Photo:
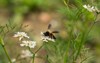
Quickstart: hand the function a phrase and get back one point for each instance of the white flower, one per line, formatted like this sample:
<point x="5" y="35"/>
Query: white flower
<point x="46" y="38"/>
<point x="30" y="44"/>
<point x="21" y="35"/>
<point x="91" y="8"/>
<point x="26" y="53"/>
<point x="24" y="43"/>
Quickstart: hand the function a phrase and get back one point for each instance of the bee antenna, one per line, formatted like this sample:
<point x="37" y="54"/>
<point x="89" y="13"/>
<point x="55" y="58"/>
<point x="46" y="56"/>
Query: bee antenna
<point x="49" y="26"/>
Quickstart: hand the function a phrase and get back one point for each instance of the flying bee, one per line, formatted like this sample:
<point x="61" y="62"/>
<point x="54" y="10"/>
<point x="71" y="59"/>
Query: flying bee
<point x="50" y="34"/>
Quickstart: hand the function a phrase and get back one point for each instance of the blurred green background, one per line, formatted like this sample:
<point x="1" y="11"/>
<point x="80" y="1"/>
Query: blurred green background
<point x="33" y="16"/>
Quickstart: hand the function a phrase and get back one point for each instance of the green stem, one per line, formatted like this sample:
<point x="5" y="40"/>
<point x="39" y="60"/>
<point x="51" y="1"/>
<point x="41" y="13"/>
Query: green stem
<point x="33" y="54"/>
<point x="30" y="50"/>
<point x="92" y="25"/>
<point x="33" y="58"/>
<point x="6" y="54"/>
<point x="39" y="48"/>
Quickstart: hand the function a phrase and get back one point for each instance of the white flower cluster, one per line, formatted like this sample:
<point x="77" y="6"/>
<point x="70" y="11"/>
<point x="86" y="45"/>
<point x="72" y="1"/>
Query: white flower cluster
<point x="91" y="8"/>
<point x="21" y="35"/>
<point x="27" y="43"/>
<point x="46" y="38"/>
<point x="30" y="44"/>
<point x="26" y="53"/>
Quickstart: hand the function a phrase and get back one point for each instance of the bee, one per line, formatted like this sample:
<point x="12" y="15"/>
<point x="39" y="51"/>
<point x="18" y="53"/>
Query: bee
<point x="49" y="33"/>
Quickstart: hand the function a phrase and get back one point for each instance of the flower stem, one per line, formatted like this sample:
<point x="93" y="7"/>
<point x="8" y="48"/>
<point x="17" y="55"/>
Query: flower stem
<point x="33" y="58"/>
<point x="33" y="54"/>
<point x="36" y="52"/>
<point x="30" y="50"/>
<point x="39" y="48"/>
<point x="92" y="26"/>
<point x="6" y="54"/>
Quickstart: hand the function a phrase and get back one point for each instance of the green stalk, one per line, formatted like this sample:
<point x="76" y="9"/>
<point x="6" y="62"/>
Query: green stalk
<point x="36" y="52"/>
<point x="2" y="44"/>
<point x="92" y="25"/>
<point x="30" y="50"/>
<point x="39" y="48"/>
<point x="33" y="54"/>
<point x="6" y="54"/>
<point x="33" y="58"/>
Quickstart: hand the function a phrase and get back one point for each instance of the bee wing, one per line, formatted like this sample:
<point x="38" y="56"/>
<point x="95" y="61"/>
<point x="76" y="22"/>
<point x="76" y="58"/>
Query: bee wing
<point x="49" y="26"/>
<point x="55" y="32"/>
<point x="52" y="36"/>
